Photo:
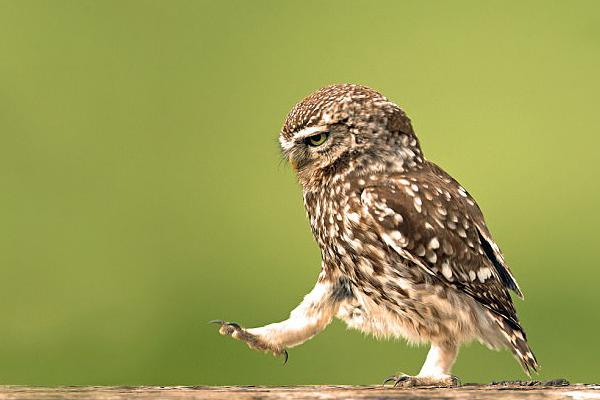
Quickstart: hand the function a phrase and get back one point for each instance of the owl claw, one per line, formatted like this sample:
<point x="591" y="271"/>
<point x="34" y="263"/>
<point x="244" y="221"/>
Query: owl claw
<point x="221" y="322"/>
<point x="285" y="356"/>
<point x="397" y="379"/>
<point x="255" y="342"/>
<point x="403" y="380"/>
<point x="232" y="329"/>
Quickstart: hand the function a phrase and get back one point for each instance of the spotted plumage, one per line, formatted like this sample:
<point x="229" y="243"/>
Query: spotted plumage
<point x="405" y="248"/>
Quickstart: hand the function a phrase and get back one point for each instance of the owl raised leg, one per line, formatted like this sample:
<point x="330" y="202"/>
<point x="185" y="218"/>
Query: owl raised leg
<point x="253" y="341"/>
<point x="435" y="370"/>
<point x="309" y="318"/>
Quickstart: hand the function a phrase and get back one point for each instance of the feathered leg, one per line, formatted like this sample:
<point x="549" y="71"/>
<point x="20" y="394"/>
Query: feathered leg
<point x="435" y="370"/>
<point x="309" y="318"/>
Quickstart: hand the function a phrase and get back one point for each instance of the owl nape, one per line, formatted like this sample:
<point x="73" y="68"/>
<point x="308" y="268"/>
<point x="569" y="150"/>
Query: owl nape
<point x="405" y="248"/>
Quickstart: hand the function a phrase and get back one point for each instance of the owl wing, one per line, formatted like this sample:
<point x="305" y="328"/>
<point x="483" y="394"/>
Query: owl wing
<point x="429" y="219"/>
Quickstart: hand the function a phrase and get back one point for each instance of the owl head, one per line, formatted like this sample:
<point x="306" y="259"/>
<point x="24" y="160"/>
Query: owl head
<point x="345" y="127"/>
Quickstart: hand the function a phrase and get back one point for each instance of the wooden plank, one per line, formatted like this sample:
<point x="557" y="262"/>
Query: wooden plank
<point x="477" y="392"/>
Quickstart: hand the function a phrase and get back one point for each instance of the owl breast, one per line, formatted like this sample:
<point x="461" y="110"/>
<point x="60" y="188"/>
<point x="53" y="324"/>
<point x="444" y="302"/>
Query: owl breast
<point x="349" y="244"/>
<point x="384" y="294"/>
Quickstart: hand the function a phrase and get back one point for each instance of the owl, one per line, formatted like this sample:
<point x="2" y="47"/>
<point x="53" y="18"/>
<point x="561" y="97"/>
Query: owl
<point x="405" y="250"/>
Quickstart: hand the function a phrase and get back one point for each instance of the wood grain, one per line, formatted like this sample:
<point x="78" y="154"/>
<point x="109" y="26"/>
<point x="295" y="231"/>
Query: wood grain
<point x="515" y="390"/>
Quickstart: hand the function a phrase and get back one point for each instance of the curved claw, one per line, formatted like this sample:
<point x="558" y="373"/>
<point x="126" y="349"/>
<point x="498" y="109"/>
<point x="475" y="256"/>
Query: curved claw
<point x="400" y="379"/>
<point x="221" y="322"/>
<point x="389" y="379"/>
<point x="285" y="357"/>
<point x="228" y="328"/>
<point x="397" y="379"/>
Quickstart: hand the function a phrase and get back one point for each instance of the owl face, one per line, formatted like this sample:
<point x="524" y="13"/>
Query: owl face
<point x="317" y="147"/>
<point x="343" y="127"/>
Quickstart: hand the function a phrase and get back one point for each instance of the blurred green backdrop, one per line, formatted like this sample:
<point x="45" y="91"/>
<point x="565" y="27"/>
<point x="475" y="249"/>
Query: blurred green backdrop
<point x="142" y="192"/>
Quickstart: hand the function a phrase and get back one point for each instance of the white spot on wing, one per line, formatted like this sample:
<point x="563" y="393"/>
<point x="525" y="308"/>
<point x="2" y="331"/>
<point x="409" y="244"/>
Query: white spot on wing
<point x="434" y="243"/>
<point x="431" y="257"/>
<point x="418" y="203"/>
<point x="483" y="274"/>
<point x="446" y="271"/>
<point x="472" y="275"/>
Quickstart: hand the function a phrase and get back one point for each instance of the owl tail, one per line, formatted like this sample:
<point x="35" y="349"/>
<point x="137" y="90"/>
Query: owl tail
<point x="517" y="342"/>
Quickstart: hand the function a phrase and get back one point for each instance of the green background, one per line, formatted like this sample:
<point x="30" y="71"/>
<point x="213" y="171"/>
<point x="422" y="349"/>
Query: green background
<point x="143" y="193"/>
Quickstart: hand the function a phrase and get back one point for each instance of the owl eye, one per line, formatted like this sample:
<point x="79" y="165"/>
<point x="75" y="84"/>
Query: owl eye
<point x="317" y="140"/>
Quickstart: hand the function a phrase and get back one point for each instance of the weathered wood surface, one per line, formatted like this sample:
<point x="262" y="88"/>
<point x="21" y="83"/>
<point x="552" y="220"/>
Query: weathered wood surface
<point x="476" y="392"/>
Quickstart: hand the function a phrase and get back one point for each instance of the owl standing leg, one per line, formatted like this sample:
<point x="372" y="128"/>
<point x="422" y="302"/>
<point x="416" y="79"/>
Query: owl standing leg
<point x="435" y="370"/>
<point x="309" y="318"/>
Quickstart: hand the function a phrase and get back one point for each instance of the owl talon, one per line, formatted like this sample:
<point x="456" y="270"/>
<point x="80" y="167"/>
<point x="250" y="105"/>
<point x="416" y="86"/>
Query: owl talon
<point x="403" y="380"/>
<point x="255" y="342"/>
<point x="285" y="356"/>
<point x="393" y="378"/>
<point x="232" y="329"/>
